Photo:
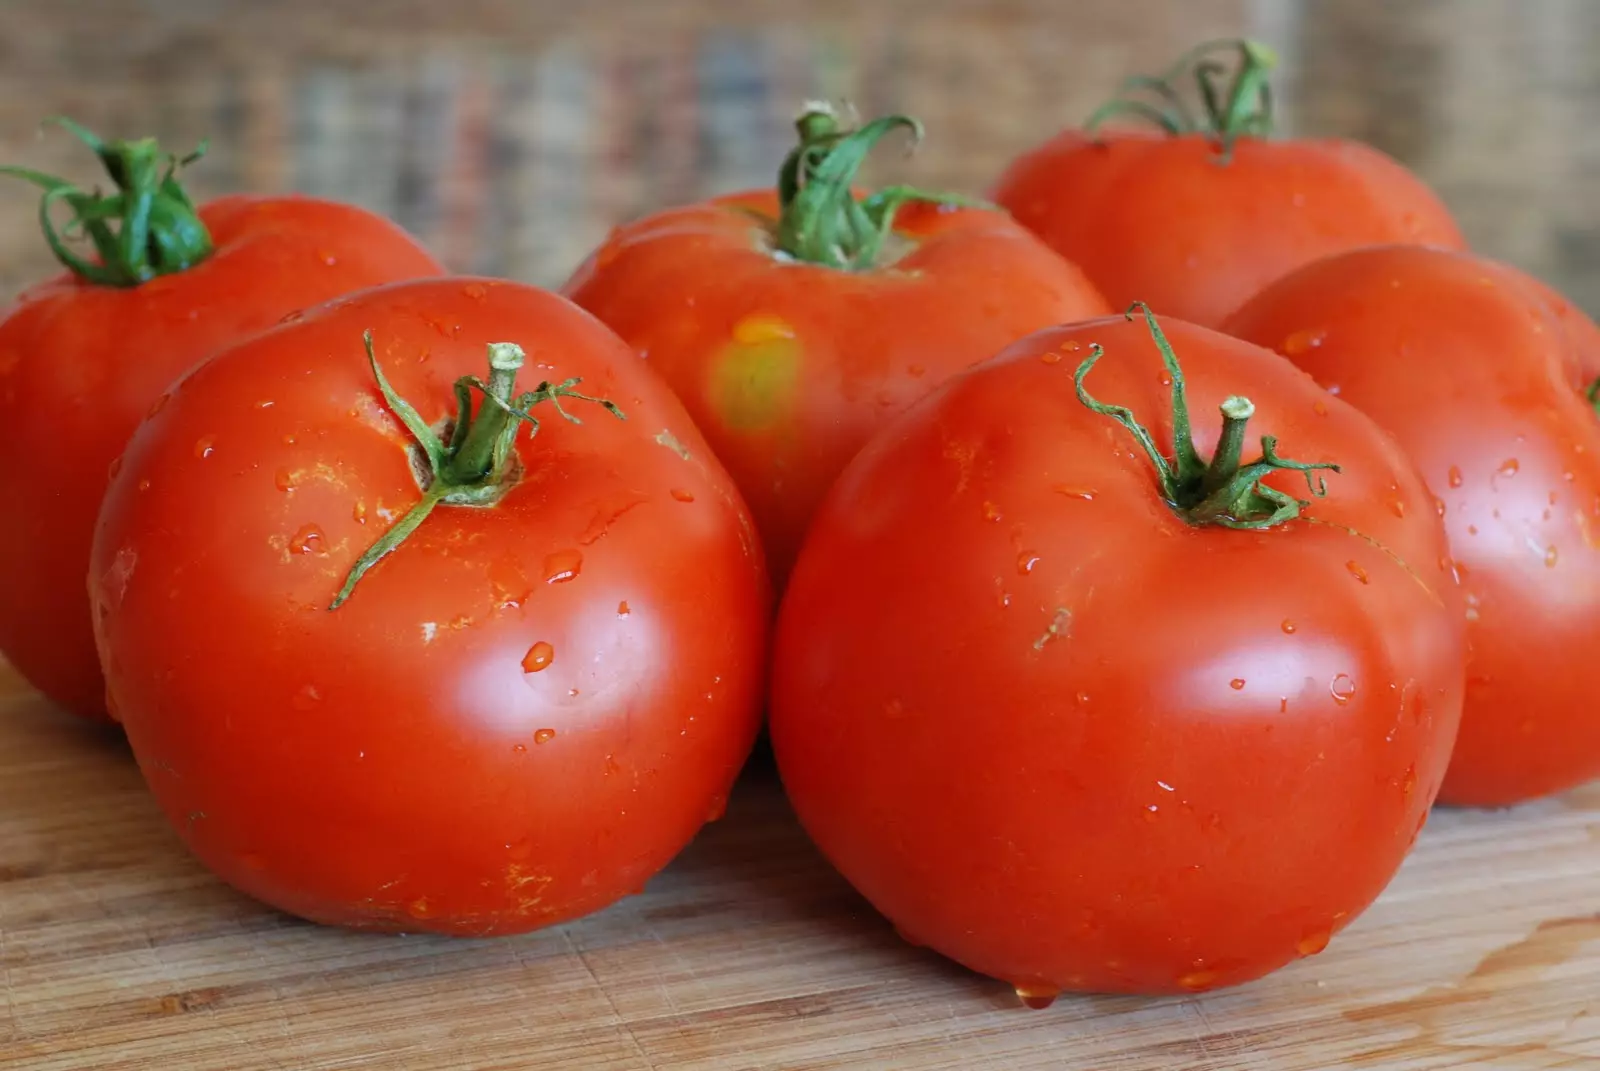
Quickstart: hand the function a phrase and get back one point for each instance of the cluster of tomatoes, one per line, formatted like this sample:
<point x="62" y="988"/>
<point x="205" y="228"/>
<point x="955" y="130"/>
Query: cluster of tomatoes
<point x="1148" y="549"/>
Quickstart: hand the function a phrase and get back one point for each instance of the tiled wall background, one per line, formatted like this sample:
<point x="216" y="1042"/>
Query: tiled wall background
<point x="511" y="135"/>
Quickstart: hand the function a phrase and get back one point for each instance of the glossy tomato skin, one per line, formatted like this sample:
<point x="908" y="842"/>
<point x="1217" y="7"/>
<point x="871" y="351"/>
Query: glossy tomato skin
<point x="520" y="715"/>
<point x="1164" y="220"/>
<point x="788" y="368"/>
<point x="81" y="364"/>
<point x="1479" y="372"/>
<point x="1058" y="734"/>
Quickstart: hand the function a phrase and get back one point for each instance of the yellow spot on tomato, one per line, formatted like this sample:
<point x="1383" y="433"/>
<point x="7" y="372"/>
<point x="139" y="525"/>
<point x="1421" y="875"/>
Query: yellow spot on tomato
<point x="760" y="327"/>
<point x="753" y="379"/>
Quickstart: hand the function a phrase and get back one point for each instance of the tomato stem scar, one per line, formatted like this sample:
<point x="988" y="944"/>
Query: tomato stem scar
<point x="1223" y="491"/>
<point x="1241" y="109"/>
<point x="820" y="221"/>
<point x="158" y="230"/>
<point x="477" y="466"/>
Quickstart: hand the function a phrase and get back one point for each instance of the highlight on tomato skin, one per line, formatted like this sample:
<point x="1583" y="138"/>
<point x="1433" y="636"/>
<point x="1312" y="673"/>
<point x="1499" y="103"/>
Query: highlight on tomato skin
<point x="1131" y="690"/>
<point x="1179" y="192"/>
<point x="1487" y="377"/>
<point x="431" y="611"/>
<point x="793" y="323"/>
<point x="86" y="354"/>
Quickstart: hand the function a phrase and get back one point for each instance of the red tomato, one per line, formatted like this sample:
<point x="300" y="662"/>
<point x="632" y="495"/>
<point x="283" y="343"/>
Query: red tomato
<point x="1066" y="722"/>
<point x="520" y="713"/>
<point x="1197" y="218"/>
<point x="83" y="356"/>
<point x="794" y="326"/>
<point x="1481" y="373"/>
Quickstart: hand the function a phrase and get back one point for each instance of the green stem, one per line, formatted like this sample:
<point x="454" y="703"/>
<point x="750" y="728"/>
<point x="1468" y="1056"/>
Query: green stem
<point x="820" y="221"/>
<point x="158" y="229"/>
<point x="1592" y="396"/>
<point x="1224" y="491"/>
<point x="478" y="465"/>
<point x="1241" y="108"/>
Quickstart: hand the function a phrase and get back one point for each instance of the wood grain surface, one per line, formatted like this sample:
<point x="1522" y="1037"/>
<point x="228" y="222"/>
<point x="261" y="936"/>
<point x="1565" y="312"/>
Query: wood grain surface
<point x="510" y="136"/>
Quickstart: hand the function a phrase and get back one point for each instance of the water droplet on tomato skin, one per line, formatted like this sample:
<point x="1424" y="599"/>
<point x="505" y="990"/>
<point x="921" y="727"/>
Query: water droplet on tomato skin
<point x="1301" y="341"/>
<point x="307" y="539"/>
<point x="205" y="446"/>
<point x="1313" y="941"/>
<point x="144" y="485"/>
<point x="1026" y="561"/>
<point x="1408" y="782"/>
<point x="544" y="736"/>
<point x="622" y="608"/>
<point x="1342" y="688"/>
<point x="1288" y="627"/>
<point x="1196" y="980"/>
<point x="1438" y="505"/>
<point x="681" y="495"/>
<point x="1509" y="467"/>
<point x="1073" y="492"/>
<point x="306" y="698"/>
<point x="1357" y="571"/>
<point x="1050" y="357"/>
<point x="420" y="908"/>
<point x="991" y="512"/>
<point x="1453" y="475"/>
<point x="519" y="749"/>
<point x="283" y="480"/>
<point x="475" y="291"/>
<point x="1037" y="997"/>
<point x="1398" y="507"/>
<point x="562" y="566"/>
<point x="539" y="657"/>
<point x="916" y="371"/>
<point x="1550" y="555"/>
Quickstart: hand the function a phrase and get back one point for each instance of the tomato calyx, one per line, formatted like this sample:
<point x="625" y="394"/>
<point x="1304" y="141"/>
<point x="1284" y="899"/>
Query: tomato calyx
<point x="476" y="466"/>
<point x="1223" y="491"/>
<point x="1592" y="396"/>
<point x="158" y="230"/>
<point x="1242" y="108"/>
<point x="820" y="221"/>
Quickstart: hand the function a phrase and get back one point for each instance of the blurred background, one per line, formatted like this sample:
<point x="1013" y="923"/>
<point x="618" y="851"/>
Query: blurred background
<point x="511" y="134"/>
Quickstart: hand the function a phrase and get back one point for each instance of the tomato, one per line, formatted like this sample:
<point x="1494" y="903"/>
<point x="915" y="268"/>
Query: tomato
<point x="1197" y="217"/>
<point x="1481" y="374"/>
<point x="514" y="716"/>
<point x="1081" y="722"/>
<point x="84" y="355"/>
<point x="795" y="326"/>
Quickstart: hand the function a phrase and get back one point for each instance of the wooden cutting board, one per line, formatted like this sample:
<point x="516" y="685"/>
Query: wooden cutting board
<point x="119" y="951"/>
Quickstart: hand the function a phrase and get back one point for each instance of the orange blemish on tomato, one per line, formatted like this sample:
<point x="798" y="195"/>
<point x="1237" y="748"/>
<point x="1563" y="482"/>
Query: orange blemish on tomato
<point x="760" y="327"/>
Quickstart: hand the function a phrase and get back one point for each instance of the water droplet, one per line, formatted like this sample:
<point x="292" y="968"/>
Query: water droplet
<point x="544" y="736"/>
<point x="1288" y="626"/>
<point x="1050" y="357"/>
<point x="475" y="291"/>
<point x="1453" y="475"/>
<point x="1026" y="561"/>
<point x="205" y="446"/>
<point x="144" y="485"/>
<point x="307" y="539"/>
<point x="572" y="692"/>
<point x="682" y="495"/>
<point x="612" y="766"/>
<point x="1283" y="704"/>
<point x="562" y="566"/>
<point x="292" y="317"/>
<point x="1550" y="557"/>
<point x="1313" y="942"/>
<point x="1509" y="467"/>
<point x="1356" y="570"/>
<point x="1398" y="506"/>
<point x="283" y="480"/>
<point x="1165" y="787"/>
<point x="1419" y="707"/>
<point x="358" y="513"/>
<point x="1037" y="997"/>
<point x="1082" y="699"/>
<point x="1319" y="407"/>
<point x="539" y="656"/>
<point x="1408" y="783"/>
<point x="1071" y="346"/>
<point x="915" y="371"/>
<point x="306" y="698"/>
<point x="759" y="327"/>
<point x="1342" y="688"/>
<point x="1152" y="812"/>
<point x="1237" y="684"/>
<point x="1472" y="529"/>
<point x="622" y="608"/>
<point x="1438" y="505"/>
<point x="265" y="403"/>
<point x="420" y="908"/>
<point x="991" y="512"/>
<point x="1301" y="341"/>
<point x="519" y="749"/>
<point x="1196" y="980"/>
<point x="1073" y="492"/>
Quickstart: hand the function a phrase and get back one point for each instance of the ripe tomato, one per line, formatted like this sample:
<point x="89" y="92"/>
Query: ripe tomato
<point x="85" y="354"/>
<point x="1078" y="725"/>
<point x="523" y="710"/>
<point x="794" y="326"/>
<point x="1197" y="217"/>
<point x="1481" y="374"/>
